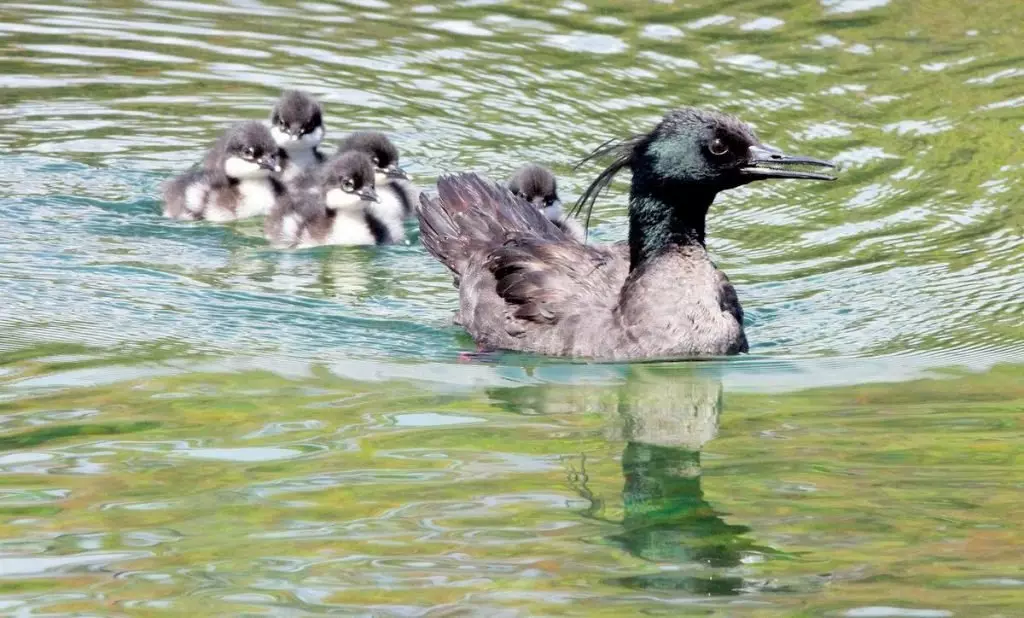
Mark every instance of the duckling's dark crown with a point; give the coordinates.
(533, 180)
(373, 143)
(249, 134)
(294, 103)
(352, 165)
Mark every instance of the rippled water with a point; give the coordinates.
(191, 422)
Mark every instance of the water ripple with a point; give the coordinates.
(288, 432)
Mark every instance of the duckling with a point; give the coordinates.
(298, 128)
(236, 180)
(526, 285)
(537, 185)
(397, 194)
(334, 212)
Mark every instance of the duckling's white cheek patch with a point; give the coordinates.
(338, 199)
(283, 139)
(380, 178)
(236, 167)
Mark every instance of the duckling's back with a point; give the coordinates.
(185, 196)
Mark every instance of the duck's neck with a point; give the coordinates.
(663, 215)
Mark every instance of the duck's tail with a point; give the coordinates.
(471, 214)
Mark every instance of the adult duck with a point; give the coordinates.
(526, 285)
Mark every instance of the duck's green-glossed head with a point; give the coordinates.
(692, 146)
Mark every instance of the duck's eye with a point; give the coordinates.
(718, 147)
(376, 161)
(348, 185)
(250, 153)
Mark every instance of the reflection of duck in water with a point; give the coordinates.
(666, 423)
(667, 415)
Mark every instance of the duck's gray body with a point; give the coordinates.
(526, 285)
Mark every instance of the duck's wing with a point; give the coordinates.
(519, 274)
(546, 282)
(471, 215)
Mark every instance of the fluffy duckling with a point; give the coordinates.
(537, 185)
(297, 125)
(334, 211)
(397, 195)
(238, 179)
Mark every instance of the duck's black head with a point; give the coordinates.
(693, 150)
(382, 152)
(536, 185)
(249, 151)
(347, 181)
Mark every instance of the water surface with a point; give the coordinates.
(193, 423)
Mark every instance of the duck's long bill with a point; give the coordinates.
(768, 162)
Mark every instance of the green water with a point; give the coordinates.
(192, 423)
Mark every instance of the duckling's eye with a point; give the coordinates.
(718, 147)
(250, 153)
(348, 185)
(375, 160)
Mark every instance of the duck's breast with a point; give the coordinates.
(679, 305)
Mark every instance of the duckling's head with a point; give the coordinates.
(297, 121)
(537, 185)
(249, 152)
(693, 149)
(347, 181)
(382, 152)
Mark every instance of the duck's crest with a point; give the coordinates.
(622, 151)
